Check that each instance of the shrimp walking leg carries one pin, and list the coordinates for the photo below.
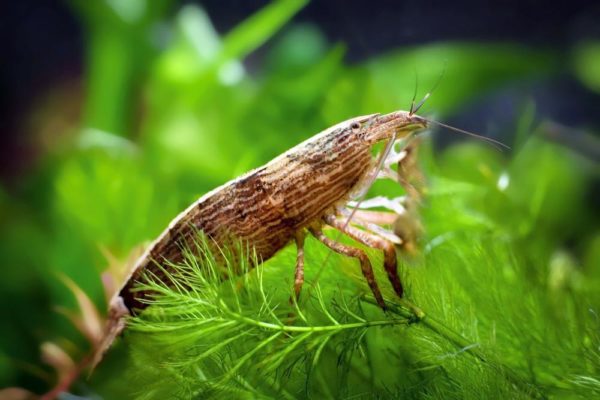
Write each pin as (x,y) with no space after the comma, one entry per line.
(365,264)
(390,261)
(299,273)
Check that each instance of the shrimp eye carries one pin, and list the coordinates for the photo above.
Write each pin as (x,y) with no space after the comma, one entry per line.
(355,126)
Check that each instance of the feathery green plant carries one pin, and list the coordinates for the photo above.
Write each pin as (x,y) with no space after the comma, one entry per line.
(222,336)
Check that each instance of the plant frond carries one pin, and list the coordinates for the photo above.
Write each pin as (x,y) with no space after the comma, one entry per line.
(200,324)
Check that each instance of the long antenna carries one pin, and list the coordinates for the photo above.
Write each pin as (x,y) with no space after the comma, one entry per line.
(413,109)
(495,143)
(412,102)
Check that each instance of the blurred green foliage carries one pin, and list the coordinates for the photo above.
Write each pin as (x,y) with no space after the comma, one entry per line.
(587,64)
(510,258)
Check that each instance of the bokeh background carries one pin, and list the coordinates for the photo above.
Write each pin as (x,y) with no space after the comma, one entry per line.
(115,115)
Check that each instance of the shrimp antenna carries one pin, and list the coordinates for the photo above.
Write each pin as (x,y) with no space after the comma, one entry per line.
(413,109)
(412,103)
(495,143)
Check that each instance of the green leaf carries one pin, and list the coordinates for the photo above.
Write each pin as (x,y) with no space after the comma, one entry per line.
(257,29)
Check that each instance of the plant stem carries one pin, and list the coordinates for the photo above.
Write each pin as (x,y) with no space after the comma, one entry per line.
(324,328)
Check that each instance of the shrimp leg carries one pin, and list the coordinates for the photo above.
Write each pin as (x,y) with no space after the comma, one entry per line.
(299,273)
(365,264)
(390,261)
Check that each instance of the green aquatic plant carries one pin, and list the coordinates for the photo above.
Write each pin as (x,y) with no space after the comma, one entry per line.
(237,335)
(490,311)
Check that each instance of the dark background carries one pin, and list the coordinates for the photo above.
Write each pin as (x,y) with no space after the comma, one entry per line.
(43,47)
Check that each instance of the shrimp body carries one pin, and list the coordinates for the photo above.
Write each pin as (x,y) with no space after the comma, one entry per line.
(277,203)
(267,206)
